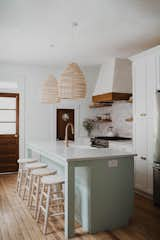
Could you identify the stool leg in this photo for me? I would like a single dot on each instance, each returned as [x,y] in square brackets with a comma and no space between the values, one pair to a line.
[32,191]
[30,188]
[37,196]
[20,182]
[46,211]
[21,166]
[25,184]
[59,196]
[17,187]
[40,203]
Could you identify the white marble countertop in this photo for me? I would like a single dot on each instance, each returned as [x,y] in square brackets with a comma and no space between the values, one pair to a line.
[75,152]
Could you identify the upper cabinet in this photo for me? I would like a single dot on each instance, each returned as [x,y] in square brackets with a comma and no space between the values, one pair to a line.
[140,88]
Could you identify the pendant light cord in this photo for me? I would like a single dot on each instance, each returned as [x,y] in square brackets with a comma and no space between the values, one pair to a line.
[74,27]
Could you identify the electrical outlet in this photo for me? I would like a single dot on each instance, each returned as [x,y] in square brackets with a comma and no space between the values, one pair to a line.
[112,163]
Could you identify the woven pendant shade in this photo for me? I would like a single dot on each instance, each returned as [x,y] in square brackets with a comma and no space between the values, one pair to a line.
[50,93]
[72,83]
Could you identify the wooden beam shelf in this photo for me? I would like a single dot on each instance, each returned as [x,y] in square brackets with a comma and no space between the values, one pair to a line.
[101,105]
[103,120]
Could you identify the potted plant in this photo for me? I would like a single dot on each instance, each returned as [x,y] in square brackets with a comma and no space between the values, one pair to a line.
[89,125]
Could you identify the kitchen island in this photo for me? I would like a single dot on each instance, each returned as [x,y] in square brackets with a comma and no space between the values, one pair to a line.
[99,184]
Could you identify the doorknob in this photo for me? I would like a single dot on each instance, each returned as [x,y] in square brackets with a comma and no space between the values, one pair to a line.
[143,158]
[16,135]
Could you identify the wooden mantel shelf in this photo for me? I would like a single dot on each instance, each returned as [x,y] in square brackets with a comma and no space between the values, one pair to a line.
[110,97]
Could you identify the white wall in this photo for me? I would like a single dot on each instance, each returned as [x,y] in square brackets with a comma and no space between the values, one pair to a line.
[35,118]
[39,120]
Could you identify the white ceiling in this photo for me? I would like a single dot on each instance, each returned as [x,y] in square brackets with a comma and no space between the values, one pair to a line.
[106,28]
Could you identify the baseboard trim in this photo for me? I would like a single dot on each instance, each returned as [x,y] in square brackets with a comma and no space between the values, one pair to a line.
[146,195]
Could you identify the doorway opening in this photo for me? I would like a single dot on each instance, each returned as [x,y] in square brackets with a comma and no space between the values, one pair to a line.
[64,116]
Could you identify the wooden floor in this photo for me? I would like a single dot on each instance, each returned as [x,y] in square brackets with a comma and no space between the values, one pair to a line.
[16,222]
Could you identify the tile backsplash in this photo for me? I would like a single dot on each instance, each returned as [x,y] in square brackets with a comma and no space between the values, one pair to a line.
[119,111]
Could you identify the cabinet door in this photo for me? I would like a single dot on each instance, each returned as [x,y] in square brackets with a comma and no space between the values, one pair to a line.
[140,123]
[146,78]
[141,161]
[139,88]
[141,174]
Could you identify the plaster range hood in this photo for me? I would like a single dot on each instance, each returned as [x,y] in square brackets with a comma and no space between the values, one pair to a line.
[114,81]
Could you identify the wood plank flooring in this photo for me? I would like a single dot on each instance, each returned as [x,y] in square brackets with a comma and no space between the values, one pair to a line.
[16,222]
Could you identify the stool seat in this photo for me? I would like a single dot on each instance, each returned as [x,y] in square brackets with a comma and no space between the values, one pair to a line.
[22,171]
[49,180]
[31,166]
[27,160]
[43,172]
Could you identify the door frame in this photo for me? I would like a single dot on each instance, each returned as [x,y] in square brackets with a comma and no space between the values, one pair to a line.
[19,78]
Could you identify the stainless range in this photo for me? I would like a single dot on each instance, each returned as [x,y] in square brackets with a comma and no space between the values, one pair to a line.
[103,142]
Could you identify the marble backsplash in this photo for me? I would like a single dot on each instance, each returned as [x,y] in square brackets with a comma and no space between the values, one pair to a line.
[119,111]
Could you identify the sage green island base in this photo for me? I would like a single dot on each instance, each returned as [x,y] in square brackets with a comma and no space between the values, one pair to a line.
[99,184]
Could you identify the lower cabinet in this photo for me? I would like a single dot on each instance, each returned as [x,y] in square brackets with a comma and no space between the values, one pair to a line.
[141,174]
[144,148]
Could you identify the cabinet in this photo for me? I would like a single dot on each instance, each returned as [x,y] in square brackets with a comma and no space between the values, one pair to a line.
[139,88]
[146,80]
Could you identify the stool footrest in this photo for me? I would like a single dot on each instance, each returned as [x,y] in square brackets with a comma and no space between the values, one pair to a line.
[56,214]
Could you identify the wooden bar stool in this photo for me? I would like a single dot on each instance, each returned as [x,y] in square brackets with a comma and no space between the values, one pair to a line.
[28,178]
[37,174]
[51,198]
[22,172]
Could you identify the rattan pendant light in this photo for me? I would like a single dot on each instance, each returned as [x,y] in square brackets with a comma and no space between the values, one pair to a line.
[72,83]
[50,93]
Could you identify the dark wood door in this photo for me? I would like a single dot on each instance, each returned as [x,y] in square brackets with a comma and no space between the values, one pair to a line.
[64,116]
[9,132]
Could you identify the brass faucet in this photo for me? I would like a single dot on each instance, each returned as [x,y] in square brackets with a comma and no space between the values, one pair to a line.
[66,133]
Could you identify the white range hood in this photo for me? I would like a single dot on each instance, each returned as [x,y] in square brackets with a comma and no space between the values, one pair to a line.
[114,81]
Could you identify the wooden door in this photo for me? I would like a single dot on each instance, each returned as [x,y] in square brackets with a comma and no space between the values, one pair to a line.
[9,132]
[64,116]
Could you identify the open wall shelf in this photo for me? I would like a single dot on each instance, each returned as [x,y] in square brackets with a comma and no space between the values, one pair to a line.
[101,105]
